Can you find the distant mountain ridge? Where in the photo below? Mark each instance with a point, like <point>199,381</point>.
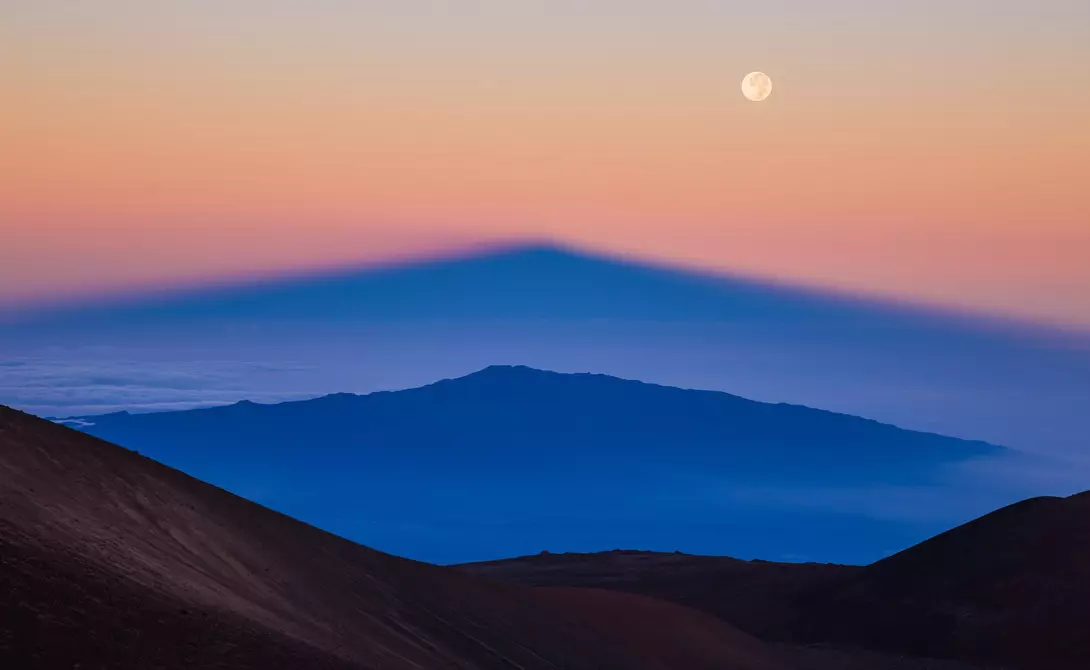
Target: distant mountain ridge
<point>626,454</point>
<point>507,394</point>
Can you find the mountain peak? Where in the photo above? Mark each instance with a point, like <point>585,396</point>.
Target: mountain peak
<point>510,371</point>
<point>512,376</point>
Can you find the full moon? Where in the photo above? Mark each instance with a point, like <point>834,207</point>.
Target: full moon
<point>756,86</point>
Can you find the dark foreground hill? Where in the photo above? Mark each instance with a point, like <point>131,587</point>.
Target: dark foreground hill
<point>761,596</point>
<point>635,462</point>
<point>111,560</point>
<point>1010,589</point>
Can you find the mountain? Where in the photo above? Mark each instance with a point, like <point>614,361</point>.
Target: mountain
<point>1011,588</point>
<point>511,459</point>
<point>111,560</point>
<point>403,325</point>
<point>760,597</point>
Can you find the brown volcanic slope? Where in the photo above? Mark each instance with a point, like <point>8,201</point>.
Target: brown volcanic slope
<point>111,560</point>
<point>1010,589</point>
<point>756,596</point>
<point>760,595</point>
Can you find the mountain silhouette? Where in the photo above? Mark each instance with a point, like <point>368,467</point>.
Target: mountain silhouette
<point>520,414</point>
<point>564,459</point>
<point>110,559</point>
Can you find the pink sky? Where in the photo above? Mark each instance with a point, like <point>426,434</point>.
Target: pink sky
<point>931,161</point>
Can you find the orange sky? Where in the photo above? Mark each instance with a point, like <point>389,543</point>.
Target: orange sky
<point>924,154</point>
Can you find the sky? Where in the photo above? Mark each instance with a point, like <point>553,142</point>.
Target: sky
<point>927,151</point>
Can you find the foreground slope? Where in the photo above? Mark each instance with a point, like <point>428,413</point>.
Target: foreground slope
<point>1011,589</point>
<point>756,596</point>
<point>113,560</point>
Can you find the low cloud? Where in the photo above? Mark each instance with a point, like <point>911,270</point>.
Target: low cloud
<point>953,493</point>
<point>67,386</point>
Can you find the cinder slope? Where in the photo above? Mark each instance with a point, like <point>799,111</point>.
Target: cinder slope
<point>673,633</point>
<point>755,596</point>
<point>1012,587</point>
<point>113,560</point>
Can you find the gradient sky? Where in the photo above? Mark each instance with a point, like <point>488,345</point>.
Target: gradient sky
<point>928,150</point>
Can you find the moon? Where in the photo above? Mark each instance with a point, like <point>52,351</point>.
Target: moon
<point>756,86</point>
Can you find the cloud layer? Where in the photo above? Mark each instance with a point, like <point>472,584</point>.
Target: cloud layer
<point>74,382</point>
